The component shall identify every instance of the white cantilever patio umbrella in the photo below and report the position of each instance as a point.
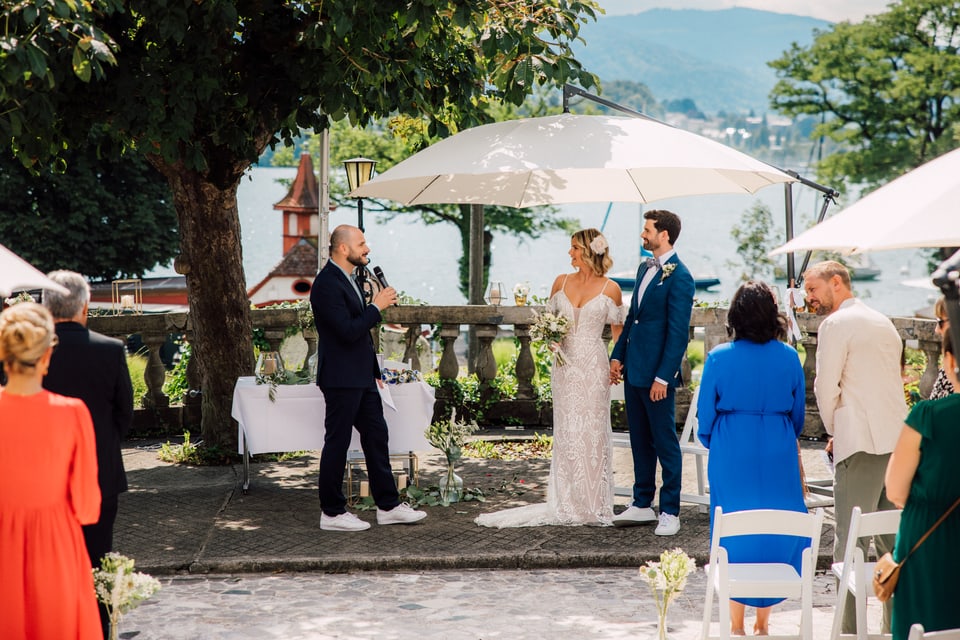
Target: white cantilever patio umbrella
(570, 158)
(919, 209)
(16, 274)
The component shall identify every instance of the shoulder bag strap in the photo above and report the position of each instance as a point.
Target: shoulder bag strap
(932, 529)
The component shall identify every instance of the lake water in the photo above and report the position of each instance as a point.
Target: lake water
(421, 260)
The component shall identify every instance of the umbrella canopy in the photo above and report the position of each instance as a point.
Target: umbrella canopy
(16, 274)
(570, 158)
(918, 209)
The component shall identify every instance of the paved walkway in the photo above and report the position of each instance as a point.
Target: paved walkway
(464, 604)
(178, 519)
(238, 565)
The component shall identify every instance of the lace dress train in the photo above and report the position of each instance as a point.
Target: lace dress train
(580, 488)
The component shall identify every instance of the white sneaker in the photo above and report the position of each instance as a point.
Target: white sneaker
(400, 514)
(346, 521)
(632, 516)
(669, 525)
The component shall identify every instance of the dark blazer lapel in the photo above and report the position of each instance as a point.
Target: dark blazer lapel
(348, 286)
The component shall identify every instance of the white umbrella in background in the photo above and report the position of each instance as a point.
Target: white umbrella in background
(919, 209)
(570, 158)
(16, 274)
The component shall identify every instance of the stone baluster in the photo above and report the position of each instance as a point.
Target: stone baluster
(449, 367)
(274, 336)
(486, 364)
(932, 352)
(154, 373)
(410, 352)
(310, 337)
(813, 425)
(525, 365)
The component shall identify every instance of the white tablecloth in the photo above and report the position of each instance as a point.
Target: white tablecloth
(295, 421)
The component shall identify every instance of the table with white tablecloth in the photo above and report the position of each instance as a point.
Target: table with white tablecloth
(294, 422)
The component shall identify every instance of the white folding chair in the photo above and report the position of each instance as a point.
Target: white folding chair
(917, 633)
(761, 580)
(855, 574)
(690, 445)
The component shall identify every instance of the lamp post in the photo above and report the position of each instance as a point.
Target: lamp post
(359, 171)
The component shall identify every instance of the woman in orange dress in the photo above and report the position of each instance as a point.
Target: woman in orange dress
(49, 464)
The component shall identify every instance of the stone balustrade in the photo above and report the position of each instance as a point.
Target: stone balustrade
(488, 322)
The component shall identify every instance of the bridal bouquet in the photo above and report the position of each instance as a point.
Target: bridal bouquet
(667, 579)
(550, 329)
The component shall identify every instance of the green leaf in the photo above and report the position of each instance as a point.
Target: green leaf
(81, 65)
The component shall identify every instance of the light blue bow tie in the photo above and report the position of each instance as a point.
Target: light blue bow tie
(653, 263)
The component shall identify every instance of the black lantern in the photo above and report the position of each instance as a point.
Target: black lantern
(359, 171)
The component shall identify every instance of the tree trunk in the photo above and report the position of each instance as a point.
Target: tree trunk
(212, 260)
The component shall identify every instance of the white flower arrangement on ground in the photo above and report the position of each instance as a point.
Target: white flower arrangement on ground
(550, 329)
(667, 579)
(120, 588)
(449, 436)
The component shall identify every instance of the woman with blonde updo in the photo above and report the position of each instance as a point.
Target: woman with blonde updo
(48, 456)
(580, 489)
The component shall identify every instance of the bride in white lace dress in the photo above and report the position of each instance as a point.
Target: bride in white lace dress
(580, 489)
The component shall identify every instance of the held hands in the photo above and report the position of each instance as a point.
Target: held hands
(616, 372)
(385, 298)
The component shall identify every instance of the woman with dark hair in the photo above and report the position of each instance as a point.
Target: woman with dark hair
(922, 480)
(942, 387)
(750, 412)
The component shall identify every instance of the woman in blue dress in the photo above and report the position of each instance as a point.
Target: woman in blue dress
(750, 412)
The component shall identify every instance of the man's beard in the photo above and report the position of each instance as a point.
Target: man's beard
(357, 260)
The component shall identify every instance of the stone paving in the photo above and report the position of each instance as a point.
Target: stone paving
(238, 565)
(464, 604)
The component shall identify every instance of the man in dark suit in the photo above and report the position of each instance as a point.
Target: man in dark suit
(92, 367)
(348, 374)
(647, 357)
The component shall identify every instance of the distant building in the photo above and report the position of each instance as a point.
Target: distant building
(289, 280)
(292, 277)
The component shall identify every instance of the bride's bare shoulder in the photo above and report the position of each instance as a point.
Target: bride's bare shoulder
(558, 283)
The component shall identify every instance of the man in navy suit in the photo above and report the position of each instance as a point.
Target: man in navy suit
(92, 367)
(348, 374)
(647, 357)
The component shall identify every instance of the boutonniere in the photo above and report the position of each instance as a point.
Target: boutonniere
(667, 270)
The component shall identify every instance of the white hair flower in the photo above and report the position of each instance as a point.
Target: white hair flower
(599, 245)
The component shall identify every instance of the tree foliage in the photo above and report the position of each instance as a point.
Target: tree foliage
(44, 47)
(202, 88)
(888, 89)
(100, 217)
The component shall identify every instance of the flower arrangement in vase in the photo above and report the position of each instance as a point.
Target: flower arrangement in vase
(120, 588)
(449, 437)
(667, 580)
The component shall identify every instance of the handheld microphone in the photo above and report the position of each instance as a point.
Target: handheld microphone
(377, 271)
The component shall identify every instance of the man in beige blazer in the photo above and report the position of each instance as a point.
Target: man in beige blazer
(860, 396)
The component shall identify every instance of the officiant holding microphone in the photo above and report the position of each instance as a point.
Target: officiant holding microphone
(348, 374)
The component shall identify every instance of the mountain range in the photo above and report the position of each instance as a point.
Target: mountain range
(716, 58)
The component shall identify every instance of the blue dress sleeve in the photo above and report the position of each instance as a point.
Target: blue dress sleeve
(707, 402)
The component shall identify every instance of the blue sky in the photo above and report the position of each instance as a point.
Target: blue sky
(832, 10)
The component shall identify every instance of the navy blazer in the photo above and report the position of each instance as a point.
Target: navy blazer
(346, 357)
(93, 367)
(657, 329)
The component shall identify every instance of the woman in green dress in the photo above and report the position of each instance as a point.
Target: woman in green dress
(922, 479)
